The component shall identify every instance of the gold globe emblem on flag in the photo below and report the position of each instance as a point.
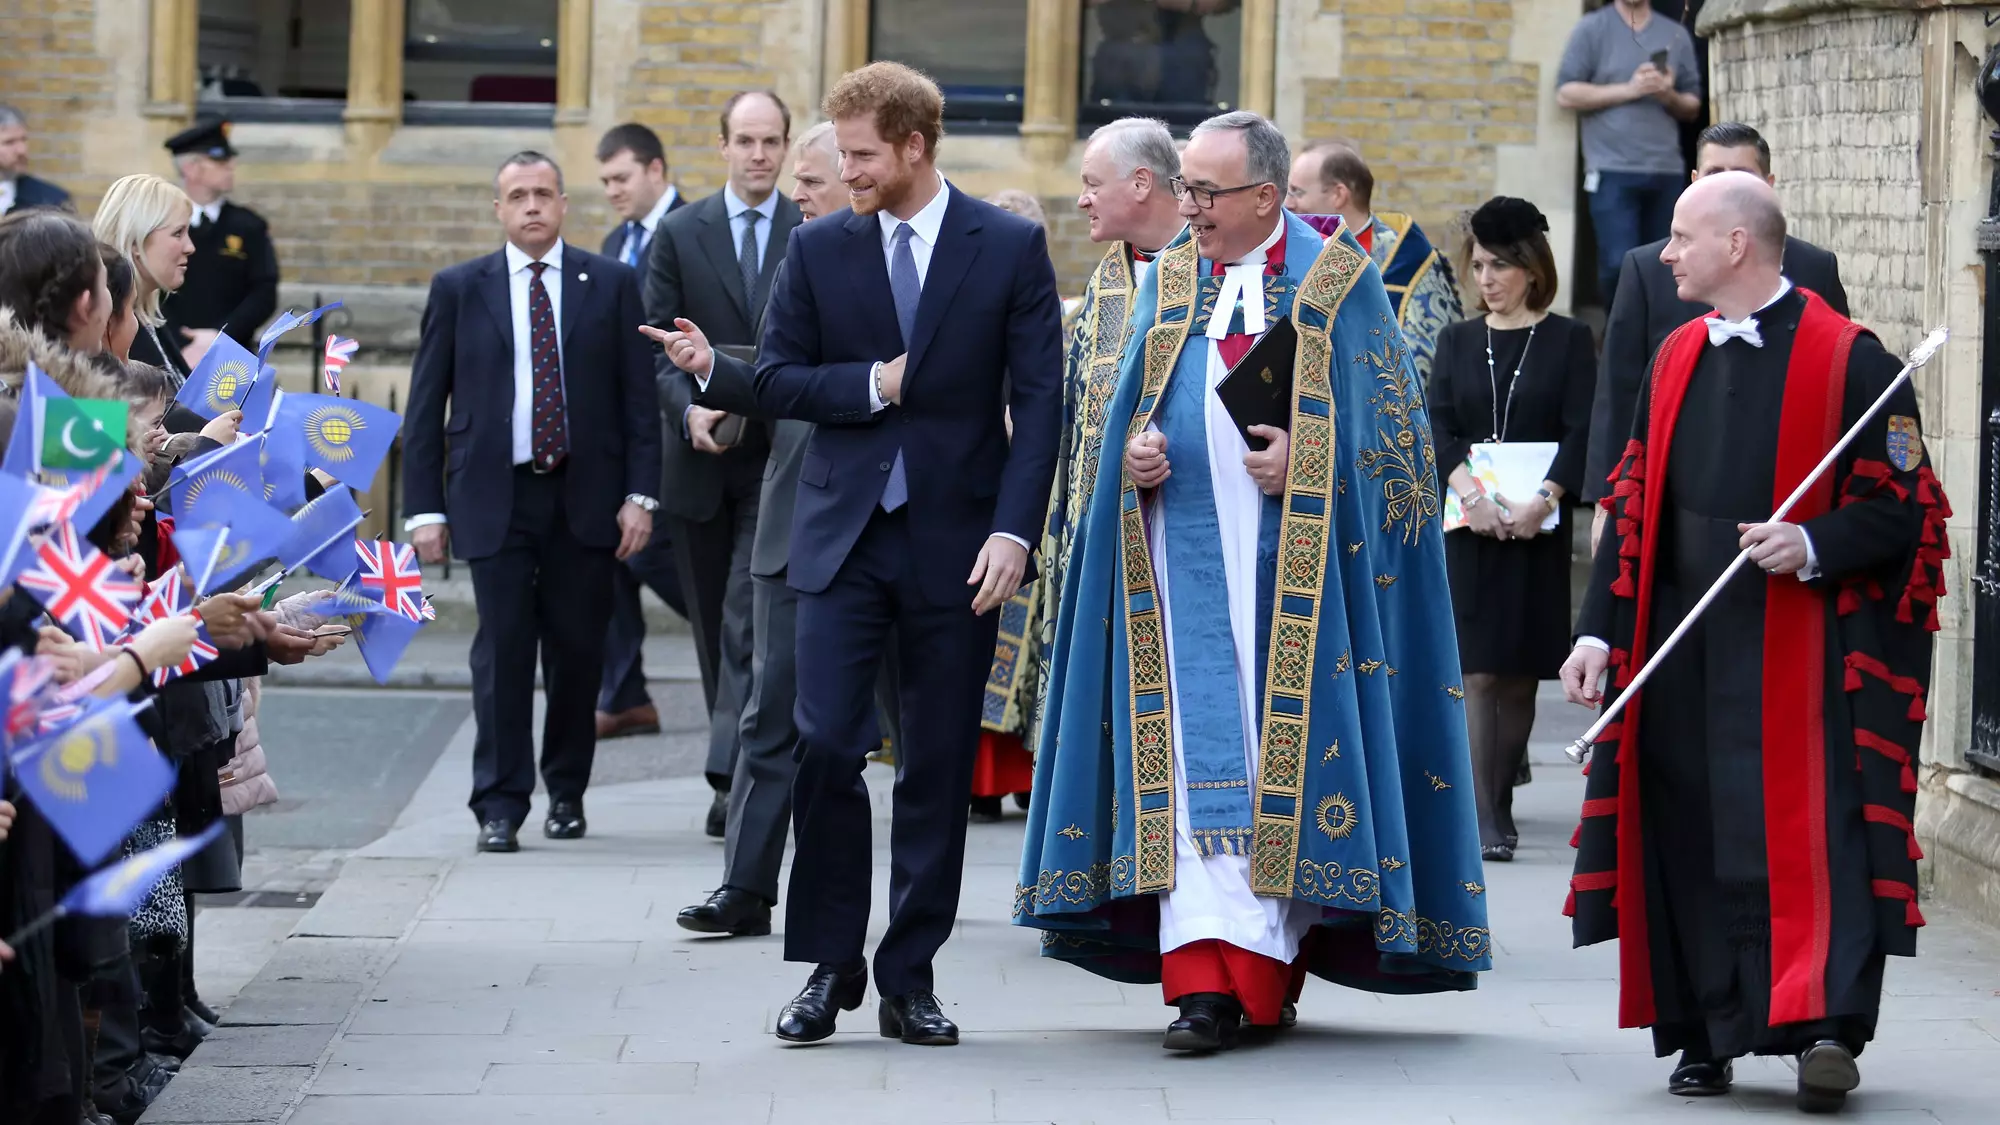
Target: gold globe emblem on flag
(231, 378)
(331, 431)
(200, 488)
(67, 765)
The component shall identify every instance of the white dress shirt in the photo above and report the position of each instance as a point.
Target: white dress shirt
(768, 210)
(518, 279)
(1807, 572)
(206, 213)
(650, 223)
(8, 193)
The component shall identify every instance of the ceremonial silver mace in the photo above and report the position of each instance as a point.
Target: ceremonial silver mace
(1578, 750)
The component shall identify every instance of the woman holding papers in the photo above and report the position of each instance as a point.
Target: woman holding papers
(1510, 410)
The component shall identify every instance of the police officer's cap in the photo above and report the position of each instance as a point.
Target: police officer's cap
(209, 137)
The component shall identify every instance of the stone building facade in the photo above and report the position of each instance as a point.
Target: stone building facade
(1883, 156)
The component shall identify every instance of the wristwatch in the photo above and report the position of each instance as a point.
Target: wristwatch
(1545, 494)
(645, 503)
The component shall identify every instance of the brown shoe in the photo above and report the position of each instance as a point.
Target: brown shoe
(643, 719)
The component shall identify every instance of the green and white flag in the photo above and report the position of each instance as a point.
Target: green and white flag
(81, 433)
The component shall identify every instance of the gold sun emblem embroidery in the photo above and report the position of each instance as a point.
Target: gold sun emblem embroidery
(1337, 817)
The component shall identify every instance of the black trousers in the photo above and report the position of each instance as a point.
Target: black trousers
(944, 653)
(713, 558)
(653, 566)
(543, 594)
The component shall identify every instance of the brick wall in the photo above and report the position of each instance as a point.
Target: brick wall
(692, 57)
(54, 75)
(1427, 91)
(1840, 98)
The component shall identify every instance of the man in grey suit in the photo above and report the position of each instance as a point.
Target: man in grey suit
(711, 263)
(632, 167)
(1648, 307)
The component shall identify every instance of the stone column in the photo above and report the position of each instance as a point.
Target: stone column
(1048, 106)
(846, 42)
(573, 35)
(374, 73)
(170, 85)
(1259, 92)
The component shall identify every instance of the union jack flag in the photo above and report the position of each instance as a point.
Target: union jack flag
(27, 679)
(169, 596)
(81, 588)
(389, 571)
(339, 351)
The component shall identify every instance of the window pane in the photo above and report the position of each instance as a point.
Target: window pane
(274, 51)
(480, 51)
(1145, 57)
(977, 53)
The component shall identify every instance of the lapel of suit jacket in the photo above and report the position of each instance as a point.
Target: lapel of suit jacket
(951, 259)
(720, 249)
(868, 270)
(576, 289)
(499, 303)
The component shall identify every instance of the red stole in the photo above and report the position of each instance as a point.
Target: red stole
(1794, 678)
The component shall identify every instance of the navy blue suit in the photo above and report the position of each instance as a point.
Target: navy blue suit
(987, 337)
(31, 192)
(541, 546)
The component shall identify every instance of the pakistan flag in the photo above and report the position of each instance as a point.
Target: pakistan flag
(81, 433)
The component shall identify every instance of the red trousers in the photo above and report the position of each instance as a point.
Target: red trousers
(1004, 766)
(1261, 984)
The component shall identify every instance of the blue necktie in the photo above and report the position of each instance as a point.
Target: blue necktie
(907, 289)
(635, 240)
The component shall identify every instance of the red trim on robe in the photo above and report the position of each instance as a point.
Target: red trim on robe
(1004, 766)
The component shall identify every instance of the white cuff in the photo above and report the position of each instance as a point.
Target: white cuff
(701, 378)
(875, 403)
(424, 520)
(1809, 571)
(1013, 539)
(1592, 642)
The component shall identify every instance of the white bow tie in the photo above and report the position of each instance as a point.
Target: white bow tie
(1745, 330)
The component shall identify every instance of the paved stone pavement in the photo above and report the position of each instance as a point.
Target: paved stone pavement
(432, 985)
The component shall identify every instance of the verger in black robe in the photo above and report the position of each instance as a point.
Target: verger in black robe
(1766, 863)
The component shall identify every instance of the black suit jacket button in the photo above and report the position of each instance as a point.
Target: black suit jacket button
(884, 466)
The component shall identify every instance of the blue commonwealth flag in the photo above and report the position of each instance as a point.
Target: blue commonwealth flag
(17, 505)
(24, 448)
(285, 323)
(221, 523)
(95, 779)
(346, 438)
(381, 633)
(239, 464)
(119, 889)
(281, 456)
(323, 539)
(225, 380)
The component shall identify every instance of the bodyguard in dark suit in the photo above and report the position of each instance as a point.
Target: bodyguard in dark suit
(1648, 307)
(232, 276)
(906, 328)
(711, 263)
(632, 167)
(18, 190)
(532, 434)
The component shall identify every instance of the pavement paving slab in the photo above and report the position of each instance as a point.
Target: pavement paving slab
(434, 986)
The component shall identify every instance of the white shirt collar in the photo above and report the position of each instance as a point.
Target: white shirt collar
(925, 224)
(735, 205)
(660, 209)
(1784, 287)
(1243, 284)
(1262, 254)
(209, 212)
(517, 258)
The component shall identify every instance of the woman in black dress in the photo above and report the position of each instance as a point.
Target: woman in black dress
(1518, 374)
(145, 218)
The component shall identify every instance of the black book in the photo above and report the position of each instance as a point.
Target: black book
(1258, 390)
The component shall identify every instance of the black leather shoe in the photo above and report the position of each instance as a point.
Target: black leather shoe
(1209, 1022)
(177, 1046)
(1497, 853)
(718, 816)
(986, 810)
(1701, 1078)
(1288, 1016)
(915, 1018)
(728, 911)
(1827, 1071)
(828, 992)
(201, 1019)
(497, 836)
(565, 821)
